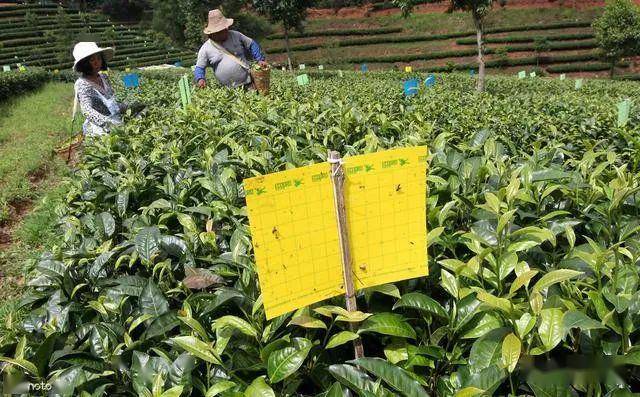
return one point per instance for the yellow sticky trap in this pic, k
(295, 231)
(408, 69)
(386, 196)
(295, 237)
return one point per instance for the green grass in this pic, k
(31, 126)
(37, 230)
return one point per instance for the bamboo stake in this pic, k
(337, 177)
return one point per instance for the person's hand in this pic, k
(202, 83)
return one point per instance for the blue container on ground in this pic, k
(364, 67)
(131, 80)
(411, 87)
(430, 81)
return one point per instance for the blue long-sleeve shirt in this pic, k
(237, 44)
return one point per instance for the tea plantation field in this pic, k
(534, 247)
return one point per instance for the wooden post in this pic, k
(337, 177)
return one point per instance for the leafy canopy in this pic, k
(618, 29)
(290, 12)
(479, 7)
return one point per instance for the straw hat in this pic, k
(217, 22)
(85, 49)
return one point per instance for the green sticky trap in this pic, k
(6, 68)
(187, 88)
(303, 79)
(183, 92)
(563, 77)
(624, 109)
(522, 74)
(579, 83)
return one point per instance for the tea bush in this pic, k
(15, 82)
(533, 220)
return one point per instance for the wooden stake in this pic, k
(337, 177)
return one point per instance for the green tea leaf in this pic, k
(485, 351)
(259, 388)
(554, 277)
(285, 362)
(235, 323)
(219, 387)
(511, 347)
(388, 324)
(341, 338)
(152, 301)
(307, 322)
(352, 377)
(394, 376)
(147, 242)
(550, 329)
(196, 347)
(422, 302)
(577, 319)
(24, 364)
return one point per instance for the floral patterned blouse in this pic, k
(91, 104)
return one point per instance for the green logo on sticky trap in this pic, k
(355, 170)
(368, 167)
(319, 177)
(404, 162)
(297, 182)
(282, 185)
(422, 159)
(249, 192)
(260, 191)
(389, 163)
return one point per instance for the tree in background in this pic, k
(290, 13)
(128, 10)
(479, 10)
(540, 46)
(618, 31)
(184, 20)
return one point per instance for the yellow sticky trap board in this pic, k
(295, 238)
(386, 199)
(295, 231)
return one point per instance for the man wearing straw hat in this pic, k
(227, 52)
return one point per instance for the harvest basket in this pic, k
(70, 147)
(261, 80)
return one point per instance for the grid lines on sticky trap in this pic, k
(294, 232)
(386, 213)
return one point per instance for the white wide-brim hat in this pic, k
(217, 22)
(85, 49)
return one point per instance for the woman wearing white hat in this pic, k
(227, 52)
(93, 90)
